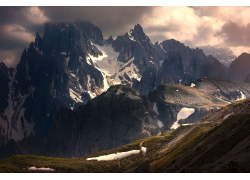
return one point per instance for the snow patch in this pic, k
(161, 62)
(182, 114)
(225, 117)
(33, 168)
(143, 150)
(17, 129)
(63, 53)
(243, 96)
(222, 100)
(130, 36)
(88, 60)
(109, 64)
(155, 109)
(115, 156)
(160, 124)
(159, 133)
(105, 81)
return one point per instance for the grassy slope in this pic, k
(193, 148)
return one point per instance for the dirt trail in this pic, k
(183, 133)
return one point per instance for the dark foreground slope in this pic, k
(220, 142)
(116, 117)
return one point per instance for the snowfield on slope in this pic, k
(182, 114)
(110, 66)
(119, 155)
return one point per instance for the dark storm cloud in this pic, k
(18, 26)
(111, 20)
(9, 42)
(163, 28)
(13, 14)
(19, 15)
(235, 35)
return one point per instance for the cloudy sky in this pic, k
(192, 25)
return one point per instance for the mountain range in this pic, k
(74, 93)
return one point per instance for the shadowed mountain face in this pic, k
(239, 68)
(114, 118)
(53, 73)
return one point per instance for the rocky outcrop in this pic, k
(169, 99)
(223, 89)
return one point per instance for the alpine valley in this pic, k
(75, 95)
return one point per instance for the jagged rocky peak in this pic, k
(239, 69)
(3, 69)
(66, 38)
(109, 41)
(137, 44)
(38, 41)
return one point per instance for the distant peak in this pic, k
(138, 28)
(244, 54)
